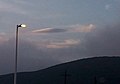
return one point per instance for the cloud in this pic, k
(71, 28)
(57, 44)
(3, 37)
(33, 55)
(64, 44)
(49, 30)
(104, 41)
(82, 28)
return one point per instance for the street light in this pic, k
(16, 51)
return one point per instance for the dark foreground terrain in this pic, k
(99, 70)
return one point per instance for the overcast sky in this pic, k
(57, 31)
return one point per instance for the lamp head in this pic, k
(21, 25)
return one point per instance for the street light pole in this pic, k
(16, 51)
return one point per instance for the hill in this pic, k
(99, 70)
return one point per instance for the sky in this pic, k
(58, 31)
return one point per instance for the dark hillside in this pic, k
(103, 70)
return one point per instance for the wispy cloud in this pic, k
(49, 30)
(71, 28)
(82, 28)
(3, 38)
(55, 44)
(65, 44)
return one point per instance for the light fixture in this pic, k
(21, 25)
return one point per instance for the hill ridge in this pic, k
(82, 71)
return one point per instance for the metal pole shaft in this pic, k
(16, 56)
(95, 80)
(65, 79)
